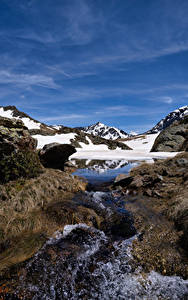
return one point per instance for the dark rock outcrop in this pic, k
(55, 155)
(174, 138)
(15, 135)
(17, 151)
(161, 179)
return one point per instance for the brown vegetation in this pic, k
(25, 220)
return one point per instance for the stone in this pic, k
(123, 180)
(182, 162)
(148, 192)
(55, 155)
(18, 157)
(11, 123)
(14, 136)
(137, 182)
(174, 138)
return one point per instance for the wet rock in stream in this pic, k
(116, 219)
(83, 263)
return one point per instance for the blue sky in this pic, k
(76, 62)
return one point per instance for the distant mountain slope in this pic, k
(177, 114)
(33, 125)
(60, 134)
(104, 131)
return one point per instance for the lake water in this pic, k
(99, 171)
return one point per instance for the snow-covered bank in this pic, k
(142, 143)
(120, 154)
(141, 150)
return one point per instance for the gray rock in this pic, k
(123, 180)
(182, 162)
(14, 136)
(174, 138)
(120, 177)
(18, 157)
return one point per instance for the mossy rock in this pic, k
(24, 164)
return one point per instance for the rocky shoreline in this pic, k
(157, 195)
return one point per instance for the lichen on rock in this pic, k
(18, 157)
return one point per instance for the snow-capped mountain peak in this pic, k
(104, 131)
(177, 114)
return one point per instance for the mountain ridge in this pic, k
(46, 134)
(105, 131)
(98, 129)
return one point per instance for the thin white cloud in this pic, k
(58, 70)
(83, 25)
(126, 111)
(64, 117)
(166, 99)
(27, 80)
(133, 55)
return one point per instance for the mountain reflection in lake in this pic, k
(102, 170)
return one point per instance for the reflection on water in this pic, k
(102, 170)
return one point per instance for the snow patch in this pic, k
(30, 124)
(120, 154)
(142, 143)
(64, 138)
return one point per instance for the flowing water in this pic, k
(85, 263)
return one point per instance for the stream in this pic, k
(83, 262)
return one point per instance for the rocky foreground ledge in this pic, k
(157, 195)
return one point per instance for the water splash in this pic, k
(83, 263)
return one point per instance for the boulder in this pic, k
(174, 138)
(14, 136)
(55, 155)
(17, 155)
(123, 180)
